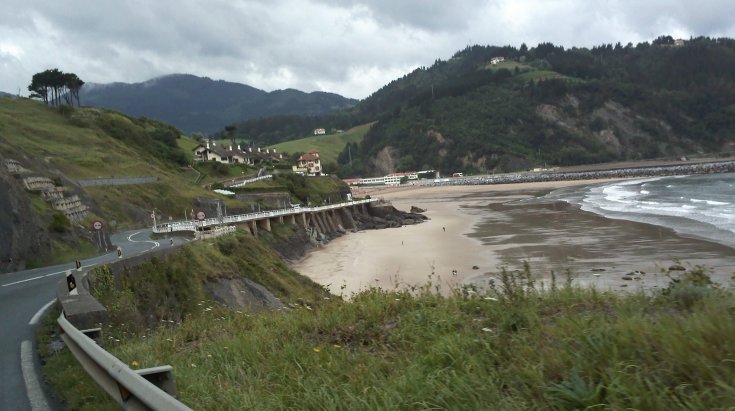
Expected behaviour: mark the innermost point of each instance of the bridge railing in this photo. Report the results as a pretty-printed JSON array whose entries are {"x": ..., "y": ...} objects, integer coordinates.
[{"x": 192, "y": 225}]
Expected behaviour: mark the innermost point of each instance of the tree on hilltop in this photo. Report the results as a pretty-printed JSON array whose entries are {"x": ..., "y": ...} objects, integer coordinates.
[{"x": 51, "y": 85}]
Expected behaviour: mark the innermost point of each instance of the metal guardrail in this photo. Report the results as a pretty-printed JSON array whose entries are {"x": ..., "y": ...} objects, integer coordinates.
[
  {"x": 146, "y": 389},
  {"x": 242, "y": 183},
  {"x": 192, "y": 225}
]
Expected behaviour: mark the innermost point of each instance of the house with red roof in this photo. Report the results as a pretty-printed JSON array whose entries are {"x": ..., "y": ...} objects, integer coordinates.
[{"x": 309, "y": 164}]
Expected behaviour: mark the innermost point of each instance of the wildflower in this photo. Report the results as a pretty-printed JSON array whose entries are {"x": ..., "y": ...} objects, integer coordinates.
[
  {"x": 134, "y": 364},
  {"x": 317, "y": 350},
  {"x": 209, "y": 355},
  {"x": 337, "y": 346},
  {"x": 491, "y": 298},
  {"x": 193, "y": 365},
  {"x": 487, "y": 330}
]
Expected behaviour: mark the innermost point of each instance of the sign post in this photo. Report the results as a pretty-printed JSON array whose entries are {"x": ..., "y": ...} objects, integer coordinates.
[
  {"x": 200, "y": 216},
  {"x": 97, "y": 226}
]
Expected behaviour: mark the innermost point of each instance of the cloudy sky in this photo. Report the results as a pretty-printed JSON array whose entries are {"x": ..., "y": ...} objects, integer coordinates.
[{"x": 350, "y": 47}]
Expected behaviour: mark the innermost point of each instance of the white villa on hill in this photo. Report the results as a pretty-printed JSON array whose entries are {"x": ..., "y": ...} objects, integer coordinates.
[{"x": 308, "y": 163}]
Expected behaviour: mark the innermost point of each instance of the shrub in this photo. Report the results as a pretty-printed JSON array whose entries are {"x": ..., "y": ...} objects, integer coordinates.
[{"x": 59, "y": 223}]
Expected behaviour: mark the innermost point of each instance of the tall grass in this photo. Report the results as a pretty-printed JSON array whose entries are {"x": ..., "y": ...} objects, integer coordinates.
[{"x": 513, "y": 347}]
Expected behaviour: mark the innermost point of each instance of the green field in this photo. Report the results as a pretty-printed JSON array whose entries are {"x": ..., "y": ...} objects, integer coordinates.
[
  {"x": 329, "y": 146},
  {"x": 510, "y": 65}
]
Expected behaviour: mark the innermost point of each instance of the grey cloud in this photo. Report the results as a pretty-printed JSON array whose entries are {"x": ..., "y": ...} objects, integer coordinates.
[
  {"x": 354, "y": 46},
  {"x": 433, "y": 15}
]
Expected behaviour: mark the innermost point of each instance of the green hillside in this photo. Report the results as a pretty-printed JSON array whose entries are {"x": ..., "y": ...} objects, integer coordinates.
[
  {"x": 329, "y": 146},
  {"x": 555, "y": 106},
  {"x": 68, "y": 144},
  {"x": 94, "y": 143},
  {"x": 543, "y": 105}
]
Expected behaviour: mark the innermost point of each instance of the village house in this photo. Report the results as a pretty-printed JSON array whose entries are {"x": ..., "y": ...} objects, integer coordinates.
[
  {"x": 319, "y": 131},
  {"x": 496, "y": 60},
  {"x": 234, "y": 154},
  {"x": 309, "y": 164}
]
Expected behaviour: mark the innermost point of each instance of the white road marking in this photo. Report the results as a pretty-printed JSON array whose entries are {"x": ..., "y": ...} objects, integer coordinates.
[
  {"x": 155, "y": 243},
  {"x": 37, "y": 316},
  {"x": 33, "y": 387},
  {"x": 33, "y": 278}
]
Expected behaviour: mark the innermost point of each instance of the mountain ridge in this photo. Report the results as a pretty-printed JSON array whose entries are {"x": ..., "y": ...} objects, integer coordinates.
[{"x": 201, "y": 104}]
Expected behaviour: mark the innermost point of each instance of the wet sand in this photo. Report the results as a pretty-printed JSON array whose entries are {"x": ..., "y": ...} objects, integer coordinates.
[{"x": 480, "y": 226}]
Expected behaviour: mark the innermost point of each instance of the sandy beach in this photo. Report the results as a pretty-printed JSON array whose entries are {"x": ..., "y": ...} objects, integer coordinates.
[{"x": 473, "y": 232}]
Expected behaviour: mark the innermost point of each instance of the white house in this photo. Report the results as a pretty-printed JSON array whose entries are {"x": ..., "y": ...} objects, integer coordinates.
[
  {"x": 308, "y": 163},
  {"x": 319, "y": 131}
]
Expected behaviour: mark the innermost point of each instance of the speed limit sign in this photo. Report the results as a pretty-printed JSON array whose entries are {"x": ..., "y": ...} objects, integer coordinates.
[
  {"x": 97, "y": 225},
  {"x": 200, "y": 215}
]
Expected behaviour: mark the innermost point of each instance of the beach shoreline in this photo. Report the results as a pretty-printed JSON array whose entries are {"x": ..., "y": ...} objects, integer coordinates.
[{"x": 473, "y": 233}]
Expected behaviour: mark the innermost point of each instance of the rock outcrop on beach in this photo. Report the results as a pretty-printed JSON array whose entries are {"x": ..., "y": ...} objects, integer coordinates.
[
  {"x": 320, "y": 231},
  {"x": 387, "y": 216}
]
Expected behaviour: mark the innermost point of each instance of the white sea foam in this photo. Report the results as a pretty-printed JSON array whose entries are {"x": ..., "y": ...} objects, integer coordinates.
[
  {"x": 708, "y": 202},
  {"x": 696, "y": 205}
]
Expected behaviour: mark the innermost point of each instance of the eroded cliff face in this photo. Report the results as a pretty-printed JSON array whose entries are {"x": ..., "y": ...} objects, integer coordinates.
[
  {"x": 22, "y": 233},
  {"x": 578, "y": 128},
  {"x": 386, "y": 161},
  {"x": 625, "y": 133}
]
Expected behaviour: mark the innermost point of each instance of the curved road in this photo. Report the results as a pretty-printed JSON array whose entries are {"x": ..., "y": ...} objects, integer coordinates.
[{"x": 24, "y": 297}]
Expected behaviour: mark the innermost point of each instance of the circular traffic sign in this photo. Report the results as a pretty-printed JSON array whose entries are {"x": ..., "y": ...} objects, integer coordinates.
[
  {"x": 200, "y": 215},
  {"x": 97, "y": 225}
]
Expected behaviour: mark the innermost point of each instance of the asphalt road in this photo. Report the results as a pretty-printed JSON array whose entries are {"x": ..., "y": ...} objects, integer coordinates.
[{"x": 23, "y": 295}]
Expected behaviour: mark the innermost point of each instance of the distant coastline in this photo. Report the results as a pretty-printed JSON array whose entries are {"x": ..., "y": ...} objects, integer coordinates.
[{"x": 626, "y": 172}]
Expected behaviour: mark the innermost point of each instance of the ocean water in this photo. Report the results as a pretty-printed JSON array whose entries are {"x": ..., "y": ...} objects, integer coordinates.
[{"x": 701, "y": 206}]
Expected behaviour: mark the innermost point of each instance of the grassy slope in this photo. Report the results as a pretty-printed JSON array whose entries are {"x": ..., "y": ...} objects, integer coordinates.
[
  {"x": 79, "y": 149},
  {"x": 329, "y": 146},
  {"x": 521, "y": 348}
]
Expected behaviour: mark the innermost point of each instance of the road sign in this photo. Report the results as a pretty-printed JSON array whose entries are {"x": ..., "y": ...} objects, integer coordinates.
[
  {"x": 97, "y": 225},
  {"x": 200, "y": 215}
]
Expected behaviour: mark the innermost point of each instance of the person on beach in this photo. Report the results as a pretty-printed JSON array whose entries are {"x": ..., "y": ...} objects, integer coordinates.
[{"x": 444, "y": 229}]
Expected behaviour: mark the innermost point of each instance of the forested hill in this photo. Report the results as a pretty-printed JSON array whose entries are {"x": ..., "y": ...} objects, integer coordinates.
[
  {"x": 543, "y": 105},
  {"x": 201, "y": 104},
  {"x": 555, "y": 106}
]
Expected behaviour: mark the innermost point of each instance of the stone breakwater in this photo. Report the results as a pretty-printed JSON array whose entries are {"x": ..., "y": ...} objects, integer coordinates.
[{"x": 637, "y": 172}]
